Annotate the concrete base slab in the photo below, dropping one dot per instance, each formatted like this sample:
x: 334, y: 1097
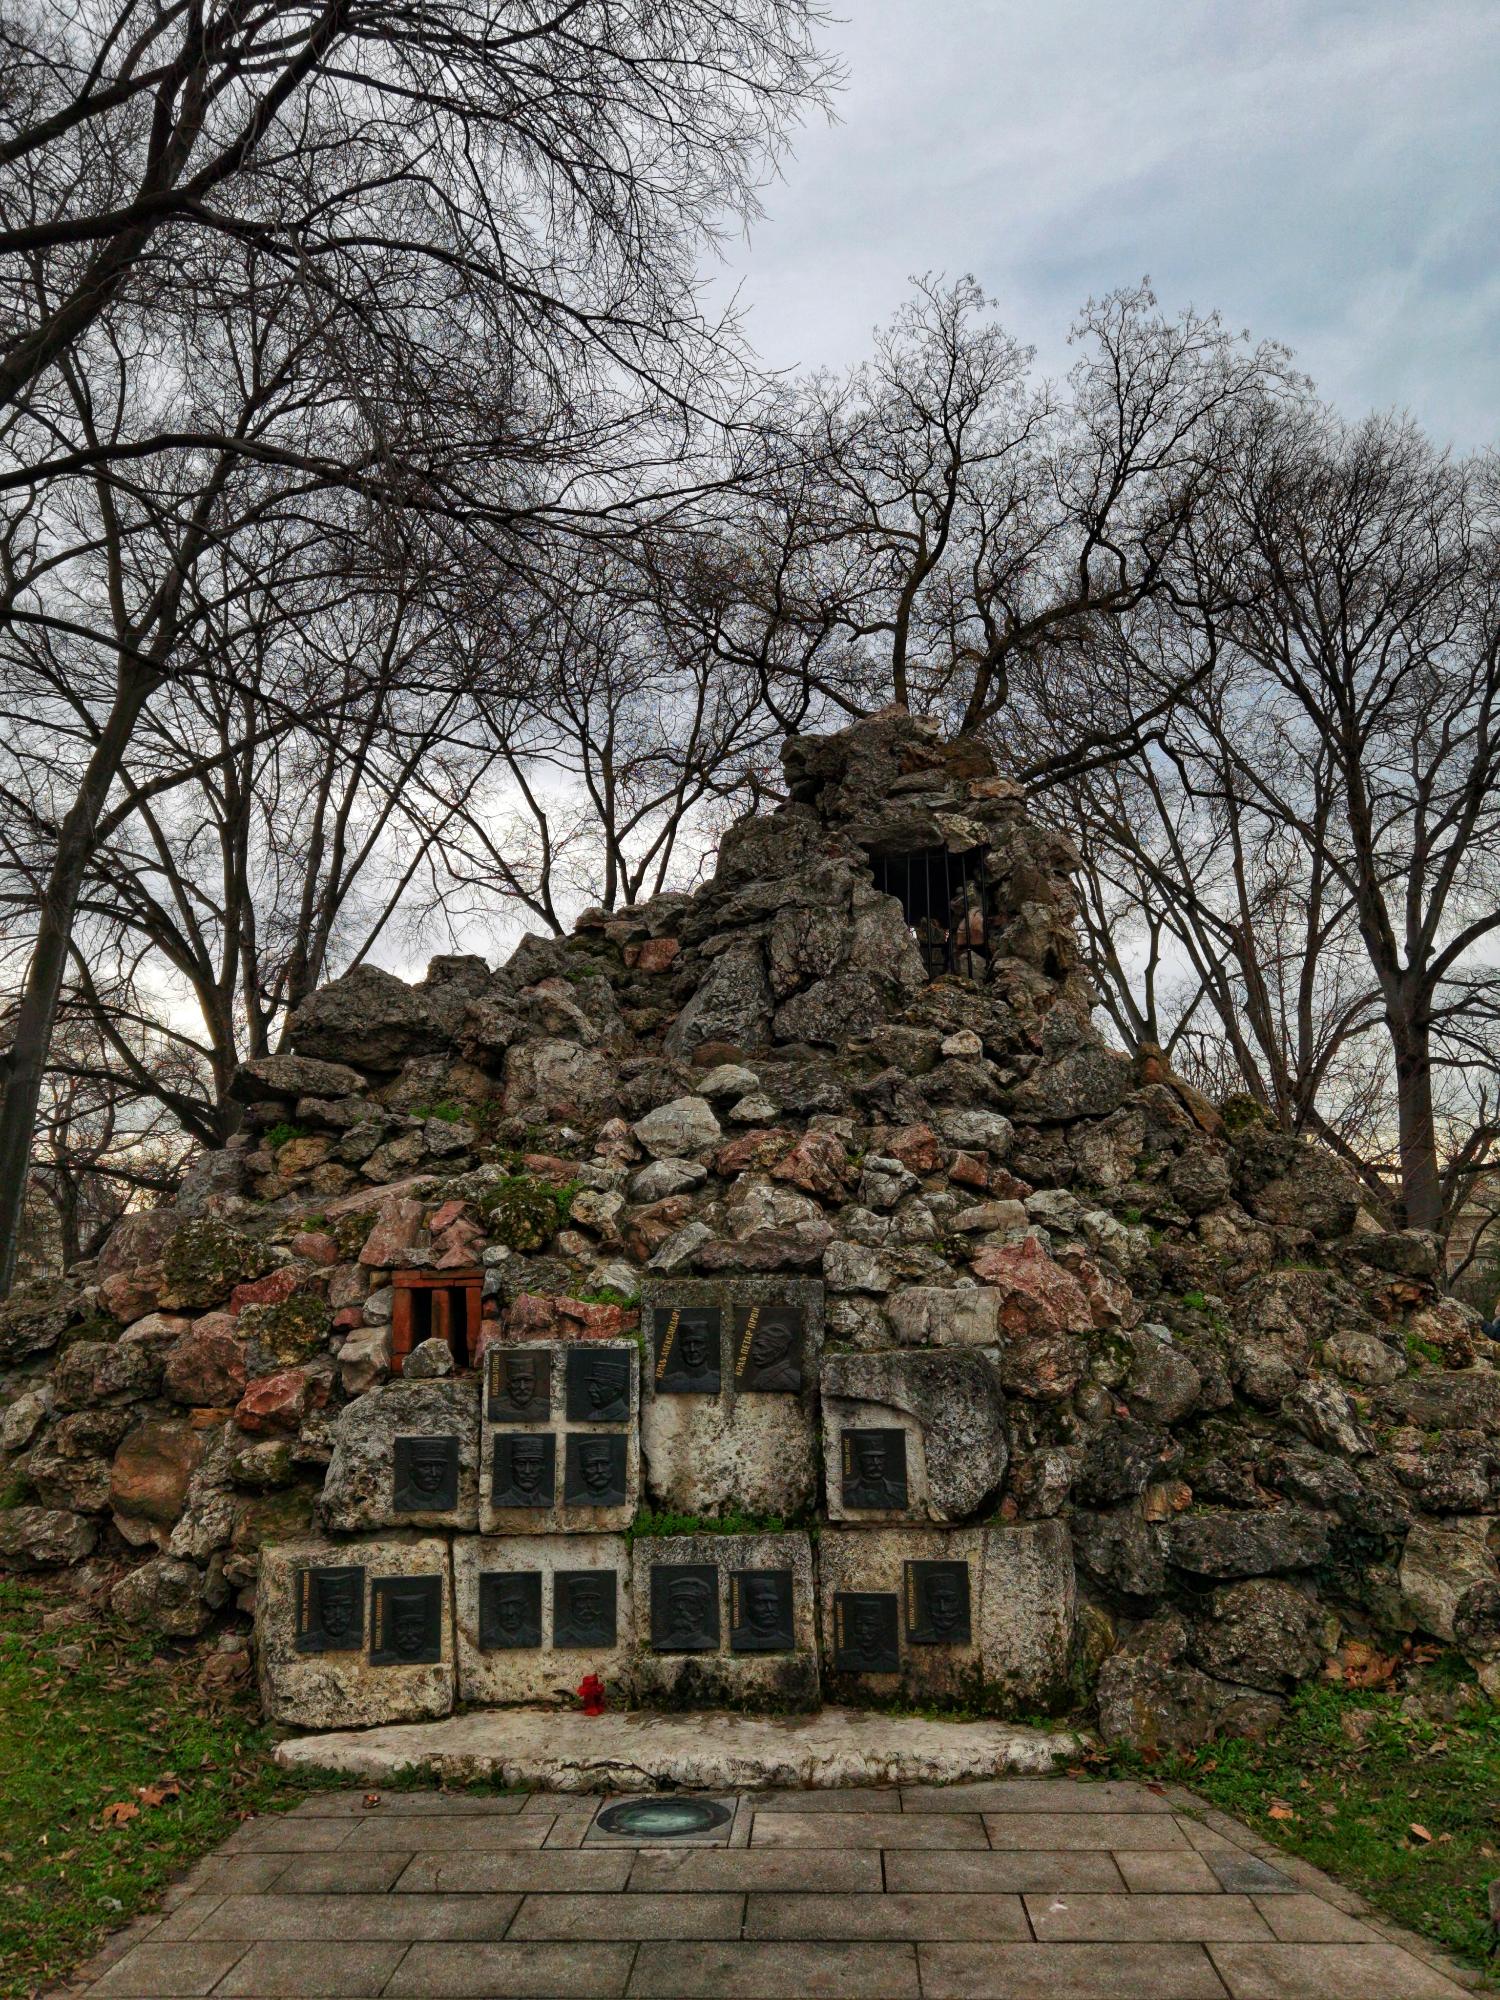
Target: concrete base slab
x: 708, y: 1750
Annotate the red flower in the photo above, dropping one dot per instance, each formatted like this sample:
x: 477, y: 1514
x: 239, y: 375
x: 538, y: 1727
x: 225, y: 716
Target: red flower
x: 591, y: 1694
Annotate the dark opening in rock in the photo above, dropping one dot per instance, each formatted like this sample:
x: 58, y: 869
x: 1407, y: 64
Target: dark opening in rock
x: 442, y: 1305
x: 942, y: 898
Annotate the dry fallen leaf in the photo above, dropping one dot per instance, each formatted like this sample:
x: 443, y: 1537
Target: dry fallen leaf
x: 372, y: 1799
x: 1279, y: 1809
x: 120, y: 1813
x: 158, y: 1794
x: 1418, y: 1832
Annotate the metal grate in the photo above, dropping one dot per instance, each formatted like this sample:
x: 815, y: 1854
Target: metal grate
x: 942, y: 897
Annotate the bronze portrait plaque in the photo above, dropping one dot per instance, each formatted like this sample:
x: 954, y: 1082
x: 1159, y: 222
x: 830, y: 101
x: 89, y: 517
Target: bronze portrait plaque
x: 519, y: 1384
x: 873, y: 1465
x: 768, y: 1348
x: 598, y: 1380
x: 760, y: 1611
x: 510, y: 1610
x: 426, y: 1475
x: 594, y: 1470
x: 686, y: 1346
x: 865, y: 1637
x: 330, y: 1610
x: 583, y: 1608
x: 406, y: 1621
x: 524, y: 1469
x: 684, y: 1608
x: 937, y: 1604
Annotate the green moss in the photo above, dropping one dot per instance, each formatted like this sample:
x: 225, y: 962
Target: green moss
x: 1195, y: 1302
x: 1423, y: 1350
x: 1241, y: 1111
x: 524, y: 1213
x: 449, y: 1112
x: 282, y: 1134
x: 607, y: 1295
x: 277, y: 1517
x: 349, y: 1232
x: 204, y: 1261
x: 17, y: 1492
x: 292, y: 1330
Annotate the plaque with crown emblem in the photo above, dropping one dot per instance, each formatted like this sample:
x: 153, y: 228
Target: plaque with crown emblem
x: 406, y: 1621
x: 584, y: 1609
x: 330, y: 1610
x: 510, y: 1610
x: 519, y: 1384
x: 426, y: 1475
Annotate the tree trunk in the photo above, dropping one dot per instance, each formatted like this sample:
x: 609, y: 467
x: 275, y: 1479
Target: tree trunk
x: 1421, y: 1186
x: 44, y: 976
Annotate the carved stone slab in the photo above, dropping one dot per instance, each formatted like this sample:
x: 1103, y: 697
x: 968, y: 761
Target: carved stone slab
x: 405, y: 1455
x: 729, y: 1405
x: 725, y: 1621
x: 352, y: 1633
x: 947, y: 1614
x: 911, y: 1436
x: 572, y: 1466
x: 536, y: 1613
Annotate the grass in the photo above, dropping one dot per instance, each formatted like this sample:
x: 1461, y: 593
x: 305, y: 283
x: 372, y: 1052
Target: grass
x: 117, y: 1723
x: 1403, y: 1807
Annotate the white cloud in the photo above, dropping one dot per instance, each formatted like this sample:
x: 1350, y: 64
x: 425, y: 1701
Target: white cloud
x: 1322, y: 172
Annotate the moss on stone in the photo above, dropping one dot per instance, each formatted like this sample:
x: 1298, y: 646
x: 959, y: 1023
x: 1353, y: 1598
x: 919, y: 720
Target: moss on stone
x: 204, y: 1261
x: 292, y: 1330
x: 276, y: 1517
x: 523, y: 1213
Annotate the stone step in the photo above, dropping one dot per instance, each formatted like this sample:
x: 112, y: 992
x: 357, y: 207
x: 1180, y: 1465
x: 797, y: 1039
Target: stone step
x: 712, y: 1750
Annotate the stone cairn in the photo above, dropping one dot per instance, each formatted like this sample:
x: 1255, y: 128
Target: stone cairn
x: 953, y: 1355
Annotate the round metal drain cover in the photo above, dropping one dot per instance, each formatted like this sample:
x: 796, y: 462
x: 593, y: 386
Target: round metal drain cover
x: 663, y: 1818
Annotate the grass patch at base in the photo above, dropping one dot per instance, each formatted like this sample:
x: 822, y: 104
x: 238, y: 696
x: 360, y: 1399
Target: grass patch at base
x: 115, y: 1774
x: 1403, y: 1806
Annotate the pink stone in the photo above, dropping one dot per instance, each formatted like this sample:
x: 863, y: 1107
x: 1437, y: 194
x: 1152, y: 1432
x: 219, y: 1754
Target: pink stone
x: 316, y: 1248
x: 759, y: 1148
x: 1039, y: 1296
x: 918, y: 1148
x: 349, y: 1316
x: 148, y: 1480
x: 444, y: 1217
x: 970, y: 1170
x: 817, y: 1164
x: 206, y: 1365
x: 269, y: 1290
x: 398, y: 1231
x: 275, y: 1403
x: 130, y: 1295
x: 530, y: 1315
x: 597, y: 1322
x: 653, y: 955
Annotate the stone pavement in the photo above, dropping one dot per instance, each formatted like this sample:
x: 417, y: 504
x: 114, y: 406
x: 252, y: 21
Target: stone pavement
x: 992, y: 1891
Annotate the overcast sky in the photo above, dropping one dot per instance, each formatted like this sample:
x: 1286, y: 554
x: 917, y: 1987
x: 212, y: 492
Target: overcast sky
x: 1324, y: 173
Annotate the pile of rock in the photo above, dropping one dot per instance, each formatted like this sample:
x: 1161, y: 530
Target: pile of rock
x: 1162, y: 1338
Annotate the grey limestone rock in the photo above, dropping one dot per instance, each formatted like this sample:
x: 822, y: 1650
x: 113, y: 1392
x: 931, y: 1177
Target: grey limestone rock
x: 1263, y: 1633
x: 1251, y: 1544
x: 952, y: 1412
x: 685, y: 1128
x: 44, y: 1538
x: 359, y: 1489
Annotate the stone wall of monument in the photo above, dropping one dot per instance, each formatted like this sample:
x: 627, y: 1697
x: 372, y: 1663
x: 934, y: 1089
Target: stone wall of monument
x: 774, y: 1294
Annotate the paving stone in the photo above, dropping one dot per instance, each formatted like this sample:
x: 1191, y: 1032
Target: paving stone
x: 519, y: 1971
x: 1165, y: 1871
x: 359, y: 1918
x: 851, y: 1799
x: 422, y: 1805
x: 897, y: 1916
x: 280, y: 1833
x: 303, y: 1971
x: 432, y: 1836
x: 1246, y: 1874
x: 753, y: 1971
x: 521, y: 1873
x: 239, y: 1874
x: 661, y: 1868
x: 168, y: 1970
x: 1309, y: 1920
x: 340, y: 1874
x: 640, y: 1916
x: 1034, y: 1795
x: 1143, y: 1919
x: 1062, y: 1830
x: 1069, y: 1972
x: 1327, y: 1972
x: 185, y: 1919
x: 872, y: 1830
x: 1012, y: 1872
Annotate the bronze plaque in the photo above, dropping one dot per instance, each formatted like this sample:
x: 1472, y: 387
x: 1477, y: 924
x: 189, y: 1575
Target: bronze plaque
x: 873, y: 1465
x: 684, y: 1608
x: 686, y: 1346
x: 864, y: 1632
x: 510, y: 1610
x: 760, y: 1611
x: 598, y: 1381
x: 583, y: 1608
x: 594, y: 1470
x: 524, y: 1471
x: 520, y: 1384
x: 330, y: 1610
x: 937, y: 1604
x: 768, y: 1349
x: 406, y: 1621
x: 426, y: 1477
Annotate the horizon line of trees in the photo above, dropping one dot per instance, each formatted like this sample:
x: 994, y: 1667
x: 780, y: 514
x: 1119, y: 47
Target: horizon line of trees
x: 392, y: 549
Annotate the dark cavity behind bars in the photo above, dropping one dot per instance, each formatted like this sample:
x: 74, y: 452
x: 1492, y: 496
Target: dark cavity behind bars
x: 939, y: 894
